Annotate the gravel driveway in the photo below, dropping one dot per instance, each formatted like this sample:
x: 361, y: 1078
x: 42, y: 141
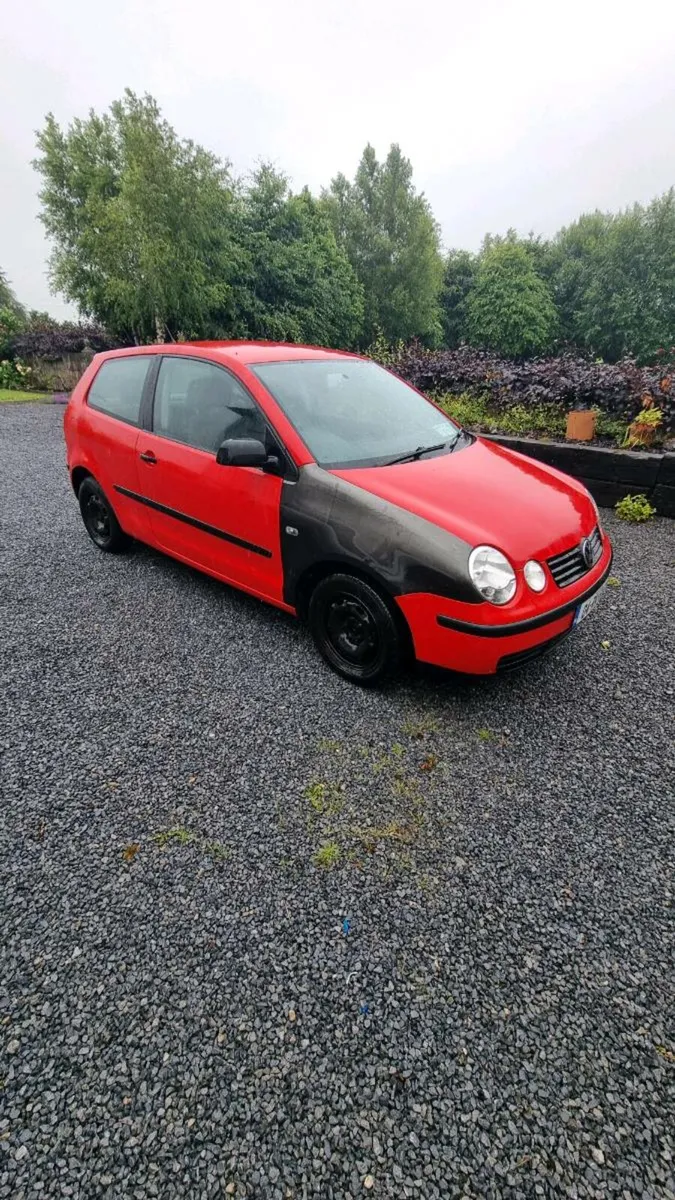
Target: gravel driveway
x: 265, y: 934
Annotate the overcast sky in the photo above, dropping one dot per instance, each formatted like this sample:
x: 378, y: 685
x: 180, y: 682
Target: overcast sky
x: 513, y: 112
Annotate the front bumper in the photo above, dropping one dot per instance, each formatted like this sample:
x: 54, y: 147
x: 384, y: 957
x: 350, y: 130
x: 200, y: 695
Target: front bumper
x: 444, y: 636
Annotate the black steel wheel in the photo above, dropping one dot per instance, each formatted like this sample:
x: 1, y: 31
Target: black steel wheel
x: 99, y: 519
x: 355, y: 629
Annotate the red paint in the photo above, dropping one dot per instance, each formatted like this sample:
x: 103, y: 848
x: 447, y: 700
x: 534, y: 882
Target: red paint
x: 484, y: 494
x: 489, y: 495
x: 243, y: 501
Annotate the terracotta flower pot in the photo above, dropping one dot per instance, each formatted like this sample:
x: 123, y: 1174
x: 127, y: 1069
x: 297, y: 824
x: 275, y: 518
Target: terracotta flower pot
x: 581, y: 425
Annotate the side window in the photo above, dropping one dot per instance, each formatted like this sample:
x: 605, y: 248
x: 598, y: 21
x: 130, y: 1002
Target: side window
x: 118, y: 387
x: 202, y: 405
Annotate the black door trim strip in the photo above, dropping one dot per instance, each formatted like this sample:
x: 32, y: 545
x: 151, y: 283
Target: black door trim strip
x: 525, y: 626
x: 179, y: 516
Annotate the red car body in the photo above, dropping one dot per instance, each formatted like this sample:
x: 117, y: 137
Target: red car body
x: 238, y: 524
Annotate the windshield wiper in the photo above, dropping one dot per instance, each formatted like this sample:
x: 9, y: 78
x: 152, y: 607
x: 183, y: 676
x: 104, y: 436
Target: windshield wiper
x: 413, y: 455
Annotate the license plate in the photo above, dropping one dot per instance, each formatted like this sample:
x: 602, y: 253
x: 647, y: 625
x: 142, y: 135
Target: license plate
x: 584, y: 609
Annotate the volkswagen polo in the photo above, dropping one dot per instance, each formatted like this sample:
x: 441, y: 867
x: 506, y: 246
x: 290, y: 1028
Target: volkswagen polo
x: 325, y: 485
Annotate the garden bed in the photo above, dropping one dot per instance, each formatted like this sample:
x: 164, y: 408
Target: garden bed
x: 523, y: 420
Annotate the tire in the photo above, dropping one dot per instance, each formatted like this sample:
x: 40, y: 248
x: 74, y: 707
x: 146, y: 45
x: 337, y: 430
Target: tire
x: 355, y: 630
x: 99, y: 519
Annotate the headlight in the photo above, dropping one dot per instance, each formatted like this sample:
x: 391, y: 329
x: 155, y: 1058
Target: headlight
x: 534, y: 575
x: 492, y: 574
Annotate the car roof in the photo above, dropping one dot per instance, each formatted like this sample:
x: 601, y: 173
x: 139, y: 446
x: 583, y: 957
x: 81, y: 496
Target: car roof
x: 245, y: 352
x: 258, y: 352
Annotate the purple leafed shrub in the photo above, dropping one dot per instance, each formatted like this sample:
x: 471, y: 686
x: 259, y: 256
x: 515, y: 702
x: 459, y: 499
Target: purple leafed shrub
x: 53, y: 339
x: 567, y: 381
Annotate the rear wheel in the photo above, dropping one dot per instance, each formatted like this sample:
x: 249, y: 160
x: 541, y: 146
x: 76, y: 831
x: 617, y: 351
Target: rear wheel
x: 355, y: 629
x: 99, y: 519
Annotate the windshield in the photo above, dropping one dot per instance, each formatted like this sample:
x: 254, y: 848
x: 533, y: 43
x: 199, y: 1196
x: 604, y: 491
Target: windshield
x: 351, y: 413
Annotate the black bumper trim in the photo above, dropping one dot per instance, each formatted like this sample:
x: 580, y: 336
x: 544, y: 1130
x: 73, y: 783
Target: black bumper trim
x: 496, y: 631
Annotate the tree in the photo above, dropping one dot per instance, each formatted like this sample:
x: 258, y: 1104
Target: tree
x: 392, y: 241
x: 139, y: 220
x: 12, y: 316
x: 613, y: 280
x: 8, y: 300
x: 458, y: 279
x: 510, y: 309
x: 293, y: 282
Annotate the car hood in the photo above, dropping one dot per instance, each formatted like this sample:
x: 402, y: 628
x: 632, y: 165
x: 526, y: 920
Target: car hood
x: 486, y: 494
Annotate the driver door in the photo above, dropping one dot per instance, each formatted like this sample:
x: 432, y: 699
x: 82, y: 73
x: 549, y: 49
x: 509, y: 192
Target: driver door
x: 222, y: 519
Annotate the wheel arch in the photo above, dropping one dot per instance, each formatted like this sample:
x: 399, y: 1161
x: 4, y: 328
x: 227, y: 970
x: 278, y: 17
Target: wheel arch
x: 78, y: 476
x: 317, y: 571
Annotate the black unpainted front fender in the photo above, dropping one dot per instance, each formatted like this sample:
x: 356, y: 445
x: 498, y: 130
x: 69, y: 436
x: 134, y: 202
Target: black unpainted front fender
x: 324, y: 518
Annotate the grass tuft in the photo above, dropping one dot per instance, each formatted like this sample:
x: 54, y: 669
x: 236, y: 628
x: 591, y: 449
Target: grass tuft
x: 327, y: 856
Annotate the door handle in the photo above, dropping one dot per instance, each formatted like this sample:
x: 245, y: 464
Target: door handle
x: 148, y: 457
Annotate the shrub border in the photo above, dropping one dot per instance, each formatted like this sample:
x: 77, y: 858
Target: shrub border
x: 608, y: 474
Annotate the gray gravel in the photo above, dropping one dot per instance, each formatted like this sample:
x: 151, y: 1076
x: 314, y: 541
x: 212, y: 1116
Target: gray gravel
x: 476, y: 999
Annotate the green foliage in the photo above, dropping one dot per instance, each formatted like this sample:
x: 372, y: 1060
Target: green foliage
x: 11, y: 396
x: 326, y: 799
x: 329, y: 746
x: 8, y: 300
x: 608, y: 427
x: 420, y: 727
x: 176, y: 835
x: 139, y: 221
x: 327, y: 856
x: 613, y: 280
x: 386, y: 353
x: 520, y: 420
x: 642, y: 428
x: 510, y: 309
x: 459, y: 277
x: 11, y: 322
x: 651, y: 417
x: 292, y: 283
x: 543, y: 420
x: 154, y: 238
x: 470, y: 411
x: 392, y: 241
x: 16, y: 376
x: 634, y: 508
x: 218, y: 851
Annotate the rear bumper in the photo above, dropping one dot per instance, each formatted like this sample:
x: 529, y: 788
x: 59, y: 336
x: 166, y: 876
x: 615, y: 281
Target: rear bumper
x: 444, y: 636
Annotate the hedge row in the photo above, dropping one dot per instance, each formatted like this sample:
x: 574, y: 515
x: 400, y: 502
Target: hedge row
x: 567, y: 381
x: 52, y: 340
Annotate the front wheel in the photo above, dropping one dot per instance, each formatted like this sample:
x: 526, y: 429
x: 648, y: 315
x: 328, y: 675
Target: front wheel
x: 355, y: 629
x: 99, y: 519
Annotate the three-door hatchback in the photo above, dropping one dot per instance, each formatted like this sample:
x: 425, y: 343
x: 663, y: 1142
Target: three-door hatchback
x: 325, y: 485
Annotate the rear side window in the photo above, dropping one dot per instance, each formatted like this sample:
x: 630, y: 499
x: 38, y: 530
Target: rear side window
x: 118, y: 387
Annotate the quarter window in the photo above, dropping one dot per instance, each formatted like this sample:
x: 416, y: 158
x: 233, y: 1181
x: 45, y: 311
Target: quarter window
x: 118, y: 387
x: 203, y: 405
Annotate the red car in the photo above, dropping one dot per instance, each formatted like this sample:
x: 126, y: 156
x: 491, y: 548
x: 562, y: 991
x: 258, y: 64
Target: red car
x: 325, y: 485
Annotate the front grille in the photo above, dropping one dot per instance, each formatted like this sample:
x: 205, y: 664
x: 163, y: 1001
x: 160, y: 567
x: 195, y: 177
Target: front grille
x: 571, y: 565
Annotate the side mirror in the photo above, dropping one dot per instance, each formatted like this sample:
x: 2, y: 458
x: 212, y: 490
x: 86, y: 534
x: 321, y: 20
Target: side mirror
x: 241, y: 452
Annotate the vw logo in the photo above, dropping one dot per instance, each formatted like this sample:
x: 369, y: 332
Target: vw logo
x: 587, y: 552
